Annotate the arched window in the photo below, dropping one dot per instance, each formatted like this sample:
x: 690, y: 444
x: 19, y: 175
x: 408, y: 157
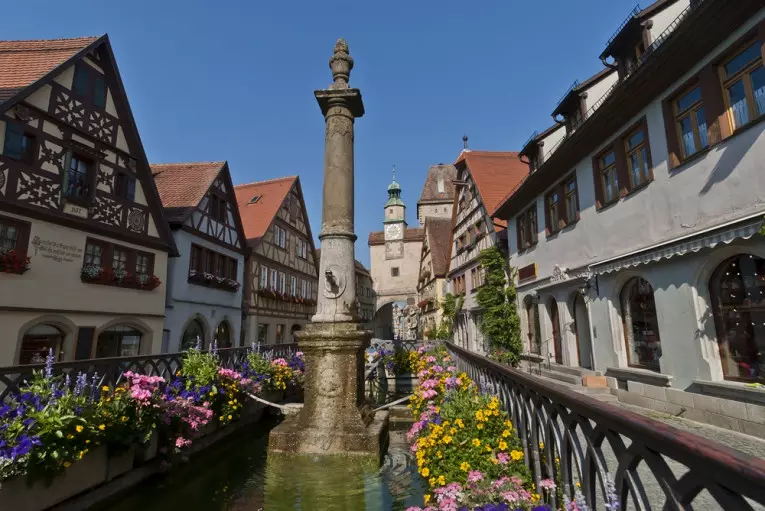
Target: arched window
x: 532, y: 326
x: 194, y: 330
x: 223, y: 335
x: 119, y: 341
x: 641, y: 326
x: 737, y: 289
x: 37, y: 343
x: 295, y: 328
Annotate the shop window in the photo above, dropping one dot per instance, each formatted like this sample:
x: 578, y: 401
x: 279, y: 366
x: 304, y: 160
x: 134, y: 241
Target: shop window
x: 119, y: 341
x: 641, y: 325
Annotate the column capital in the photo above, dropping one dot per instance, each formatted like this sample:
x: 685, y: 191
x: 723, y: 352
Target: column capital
x: 349, y: 98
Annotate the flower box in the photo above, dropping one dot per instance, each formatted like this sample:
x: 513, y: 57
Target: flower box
x: 87, y: 473
x: 148, y: 451
x: 13, y: 262
x: 210, y: 280
x: 120, y: 463
x: 106, y: 276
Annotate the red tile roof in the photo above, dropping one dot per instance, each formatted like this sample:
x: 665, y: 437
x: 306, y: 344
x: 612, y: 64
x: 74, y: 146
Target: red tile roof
x: 495, y: 173
x: 258, y: 216
x: 430, y: 193
x: 183, y: 185
x: 24, y: 62
x: 411, y: 234
x: 439, y: 232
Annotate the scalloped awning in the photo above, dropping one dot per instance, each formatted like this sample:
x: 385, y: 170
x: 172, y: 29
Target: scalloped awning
x: 740, y: 229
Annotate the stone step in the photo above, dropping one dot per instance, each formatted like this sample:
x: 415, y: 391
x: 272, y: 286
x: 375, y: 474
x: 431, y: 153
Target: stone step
x: 564, y: 377
x: 576, y: 371
x: 599, y: 393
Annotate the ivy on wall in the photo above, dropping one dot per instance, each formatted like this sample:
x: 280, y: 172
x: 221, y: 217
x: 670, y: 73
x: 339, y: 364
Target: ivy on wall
x: 449, y: 307
x: 497, y: 297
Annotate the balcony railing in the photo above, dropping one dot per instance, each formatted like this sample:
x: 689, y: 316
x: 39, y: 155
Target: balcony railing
x: 108, y: 371
x: 653, y: 465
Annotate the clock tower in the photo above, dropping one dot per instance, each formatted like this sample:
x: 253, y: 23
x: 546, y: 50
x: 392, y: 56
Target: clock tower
x: 395, y: 212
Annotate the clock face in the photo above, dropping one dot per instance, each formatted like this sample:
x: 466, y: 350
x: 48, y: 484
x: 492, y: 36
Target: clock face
x: 393, y: 231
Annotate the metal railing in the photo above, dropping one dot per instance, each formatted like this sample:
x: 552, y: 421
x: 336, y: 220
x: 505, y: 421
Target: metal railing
x: 108, y: 371
x: 633, y: 13
x: 653, y: 465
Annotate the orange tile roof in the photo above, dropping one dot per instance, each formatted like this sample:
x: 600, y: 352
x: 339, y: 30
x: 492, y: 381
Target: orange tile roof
x: 495, y: 174
x: 24, y: 62
x: 258, y: 216
x: 439, y: 231
x: 182, y: 186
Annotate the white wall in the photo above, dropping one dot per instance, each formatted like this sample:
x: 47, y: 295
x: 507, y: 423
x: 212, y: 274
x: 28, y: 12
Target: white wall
x: 663, y: 18
x: 598, y: 90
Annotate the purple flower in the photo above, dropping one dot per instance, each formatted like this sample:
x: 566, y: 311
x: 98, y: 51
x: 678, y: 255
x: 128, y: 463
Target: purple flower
x: 49, y: 364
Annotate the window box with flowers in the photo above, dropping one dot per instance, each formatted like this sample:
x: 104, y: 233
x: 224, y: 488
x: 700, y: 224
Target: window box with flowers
x: 210, y: 280
x: 106, y: 276
x: 13, y: 261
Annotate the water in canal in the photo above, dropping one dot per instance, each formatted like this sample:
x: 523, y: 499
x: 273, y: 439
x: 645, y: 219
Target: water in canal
x: 235, y: 475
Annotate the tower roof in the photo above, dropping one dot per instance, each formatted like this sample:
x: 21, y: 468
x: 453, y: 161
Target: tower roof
x: 394, y: 192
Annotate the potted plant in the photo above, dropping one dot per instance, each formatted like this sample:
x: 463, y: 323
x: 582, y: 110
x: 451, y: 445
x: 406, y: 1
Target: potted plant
x: 13, y: 261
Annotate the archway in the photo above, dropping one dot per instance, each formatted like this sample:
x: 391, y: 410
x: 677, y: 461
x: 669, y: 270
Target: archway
x: 223, y: 334
x: 37, y: 342
x: 119, y: 341
x: 194, y: 330
x: 581, y: 327
x: 641, y: 325
x: 556, y: 336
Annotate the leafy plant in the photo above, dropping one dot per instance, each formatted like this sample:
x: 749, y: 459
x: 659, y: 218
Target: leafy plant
x: 500, y: 322
x: 199, y: 369
x: 449, y: 307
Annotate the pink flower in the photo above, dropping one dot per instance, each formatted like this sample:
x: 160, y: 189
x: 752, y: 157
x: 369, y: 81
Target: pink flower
x: 503, y: 458
x: 181, y: 442
x: 547, y: 484
x: 474, y: 476
x: 280, y: 362
x: 517, y: 480
x: 510, y: 496
x: 298, y: 353
x: 229, y: 373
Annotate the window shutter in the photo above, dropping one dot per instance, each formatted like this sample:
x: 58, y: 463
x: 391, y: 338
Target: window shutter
x: 649, y: 158
x: 622, y: 172
x: 65, y: 179
x: 84, y: 343
x: 598, y: 184
x: 718, y: 127
x: 576, y: 197
x: 674, y: 154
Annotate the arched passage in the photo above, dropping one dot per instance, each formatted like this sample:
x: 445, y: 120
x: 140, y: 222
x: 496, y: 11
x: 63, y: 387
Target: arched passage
x: 193, y: 330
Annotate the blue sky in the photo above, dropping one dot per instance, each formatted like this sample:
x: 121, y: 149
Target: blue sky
x: 234, y: 80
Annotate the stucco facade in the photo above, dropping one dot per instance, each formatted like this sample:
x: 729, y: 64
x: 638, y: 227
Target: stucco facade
x: 671, y: 235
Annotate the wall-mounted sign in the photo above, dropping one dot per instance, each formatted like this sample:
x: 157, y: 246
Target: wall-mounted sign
x: 59, y: 252
x: 527, y: 272
x: 73, y: 209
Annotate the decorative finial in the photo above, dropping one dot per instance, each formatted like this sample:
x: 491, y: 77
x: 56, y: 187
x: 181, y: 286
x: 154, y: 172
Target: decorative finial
x: 394, y: 172
x: 341, y: 64
x: 465, y: 141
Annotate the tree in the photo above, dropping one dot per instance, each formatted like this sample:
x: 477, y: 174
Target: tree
x: 500, y: 322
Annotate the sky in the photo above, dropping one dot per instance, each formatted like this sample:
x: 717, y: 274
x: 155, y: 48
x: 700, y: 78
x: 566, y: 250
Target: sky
x: 234, y: 80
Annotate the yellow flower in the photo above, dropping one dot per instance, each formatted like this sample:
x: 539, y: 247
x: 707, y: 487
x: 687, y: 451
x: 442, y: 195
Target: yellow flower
x: 441, y: 480
x: 212, y: 394
x: 439, y: 455
x: 69, y: 436
x: 432, y: 481
x: 506, y: 433
x: 452, y: 431
x: 425, y: 472
x: 446, y: 439
x: 502, y: 445
x: 102, y: 427
x: 479, y: 415
x: 427, y: 498
x: 516, y: 455
x: 508, y: 424
x: 123, y: 418
x: 479, y: 426
x: 465, y: 466
x: 535, y: 497
x: 476, y: 442
x: 229, y: 417
x: 87, y: 441
x: 105, y: 388
x: 67, y: 464
x: 578, y: 484
x: 459, y: 423
x: 221, y: 418
x: 78, y: 428
x: 488, y: 448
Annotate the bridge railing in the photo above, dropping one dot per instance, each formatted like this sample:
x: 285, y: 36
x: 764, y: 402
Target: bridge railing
x: 578, y: 440
x: 108, y: 371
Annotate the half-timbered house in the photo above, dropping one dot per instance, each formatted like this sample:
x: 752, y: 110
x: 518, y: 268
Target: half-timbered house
x: 281, y: 280
x: 204, y: 295
x: 483, y: 180
x: 83, y: 239
x: 434, y: 264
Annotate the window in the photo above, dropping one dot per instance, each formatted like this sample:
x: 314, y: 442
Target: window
x: 81, y: 79
x: 279, y: 334
x: 221, y: 269
x: 193, y: 332
x: 223, y: 335
x: 119, y: 341
x: 263, y: 278
x: 262, y: 334
x: 553, y: 220
x: 394, y: 271
x: 608, y: 177
x: 37, y: 343
x: 119, y: 259
x: 571, y: 201
x: 303, y: 289
x: 302, y: 248
x: 744, y: 84
x: 18, y: 145
x: 527, y: 228
x: 77, y: 182
x: 93, y: 253
x: 14, y: 235
x: 233, y: 266
x: 142, y: 264
x: 532, y: 326
x: 637, y: 158
x: 737, y: 289
x: 99, y: 93
x: 273, y: 280
x: 254, y: 199
x: 125, y: 186
x: 641, y: 325
x: 195, y: 263
x: 310, y: 290
x: 691, y: 123
x: 280, y: 237
x: 282, y: 283
x: 293, y: 286
x: 218, y: 208
x: 209, y: 262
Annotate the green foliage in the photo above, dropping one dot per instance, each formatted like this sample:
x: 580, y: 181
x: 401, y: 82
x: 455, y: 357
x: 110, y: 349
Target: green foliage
x: 449, y: 307
x: 258, y: 363
x: 500, y: 322
x: 199, y: 368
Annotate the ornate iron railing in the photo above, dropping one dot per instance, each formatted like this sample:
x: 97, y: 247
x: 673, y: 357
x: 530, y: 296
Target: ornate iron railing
x: 108, y: 371
x: 653, y: 465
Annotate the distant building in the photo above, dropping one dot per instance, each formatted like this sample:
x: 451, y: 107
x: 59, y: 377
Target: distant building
x: 77, y: 198
x: 434, y: 265
x: 204, y: 295
x: 281, y: 281
x: 437, y: 197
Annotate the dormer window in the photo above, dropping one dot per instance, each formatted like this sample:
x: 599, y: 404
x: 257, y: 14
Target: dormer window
x: 254, y: 199
x: 89, y: 84
x: 19, y: 145
x: 218, y: 208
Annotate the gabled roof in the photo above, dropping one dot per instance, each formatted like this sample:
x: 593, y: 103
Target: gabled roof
x: 410, y: 234
x: 495, y: 174
x: 439, y: 231
x: 182, y: 186
x: 258, y: 215
x: 430, y: 191
x: 24, y: 62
